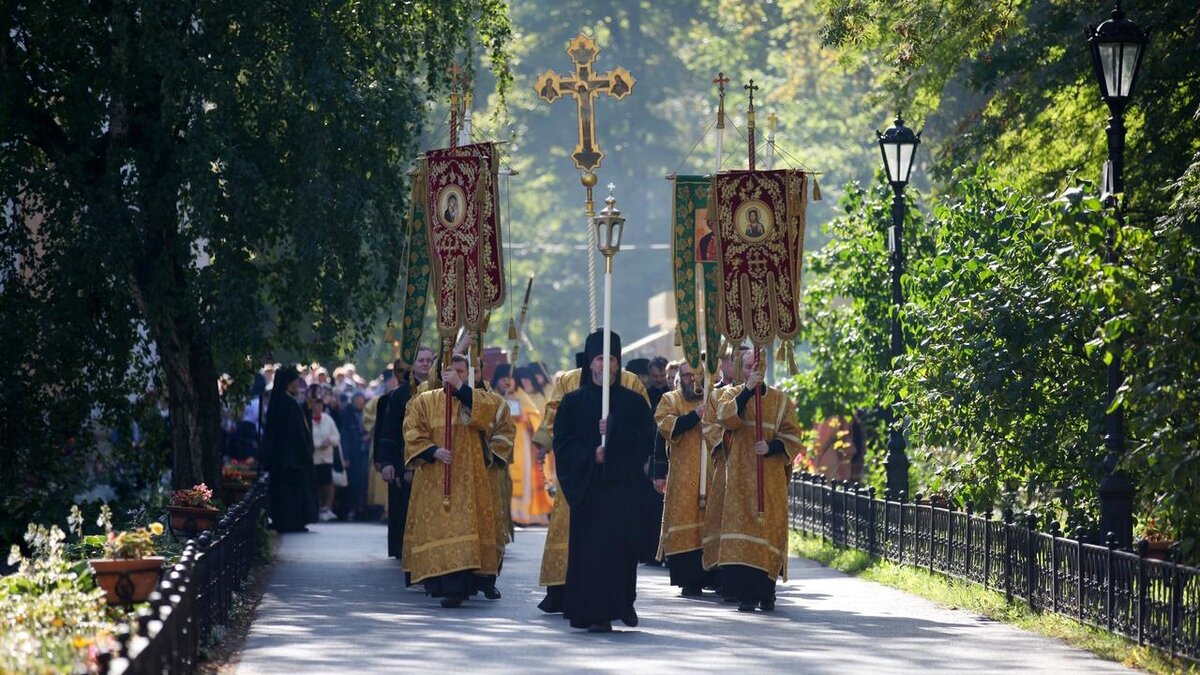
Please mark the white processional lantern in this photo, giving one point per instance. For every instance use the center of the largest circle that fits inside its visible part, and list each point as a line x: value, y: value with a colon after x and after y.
x: 898, y: 145
x: 610, y: 225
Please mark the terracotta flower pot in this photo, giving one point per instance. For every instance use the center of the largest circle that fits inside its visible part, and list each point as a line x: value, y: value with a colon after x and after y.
x: 233, y: 491
x: 1159, y: 550
x: 127, y: 581
x: 192, y: 520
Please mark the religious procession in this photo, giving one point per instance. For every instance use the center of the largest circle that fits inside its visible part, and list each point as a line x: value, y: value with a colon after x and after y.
x: 395, y: 337
x: 684, y: 464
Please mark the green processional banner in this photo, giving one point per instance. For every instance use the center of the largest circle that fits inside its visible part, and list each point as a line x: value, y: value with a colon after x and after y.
x: 417, y: 273
x: 694, y: 249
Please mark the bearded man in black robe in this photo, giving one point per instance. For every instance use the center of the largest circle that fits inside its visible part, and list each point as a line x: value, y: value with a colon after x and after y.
x: 601, y: 484
x: 288, y: 453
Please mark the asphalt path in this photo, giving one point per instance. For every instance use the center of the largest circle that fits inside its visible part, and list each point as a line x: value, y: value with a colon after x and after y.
x: 336, y: 604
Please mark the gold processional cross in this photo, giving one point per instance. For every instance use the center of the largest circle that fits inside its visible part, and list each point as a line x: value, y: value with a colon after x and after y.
x: 585, y: 86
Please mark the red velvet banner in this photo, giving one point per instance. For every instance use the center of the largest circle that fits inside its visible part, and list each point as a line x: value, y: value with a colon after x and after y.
x: 464, y: 236
x: 759, y: 221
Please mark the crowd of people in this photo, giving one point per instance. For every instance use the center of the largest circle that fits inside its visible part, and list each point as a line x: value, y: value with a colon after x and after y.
x: 683, y: 472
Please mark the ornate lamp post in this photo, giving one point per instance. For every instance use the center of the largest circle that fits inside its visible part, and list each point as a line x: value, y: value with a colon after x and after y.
x: 1117, y: 46
x: 609, y: 226
x: 898, y: 145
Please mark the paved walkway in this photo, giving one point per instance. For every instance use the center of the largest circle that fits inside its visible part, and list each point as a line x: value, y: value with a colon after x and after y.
x: 336, y: 604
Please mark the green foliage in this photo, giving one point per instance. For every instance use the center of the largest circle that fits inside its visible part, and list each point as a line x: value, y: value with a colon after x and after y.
x: 1164, y: 371
x: 847, y: 315
x: 1012, y: 82
x: 1003, y: 395
x: 187, y: 185
x: 50, y: 608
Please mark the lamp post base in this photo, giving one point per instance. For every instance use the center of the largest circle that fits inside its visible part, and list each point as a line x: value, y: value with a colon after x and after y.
x: 1116, y: 508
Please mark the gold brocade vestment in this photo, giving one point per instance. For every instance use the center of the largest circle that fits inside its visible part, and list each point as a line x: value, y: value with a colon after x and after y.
x: 743, y: 539
x: 683, y: 519
x: 436, y: 541
x: 531, y: 503
x: 554, y: 556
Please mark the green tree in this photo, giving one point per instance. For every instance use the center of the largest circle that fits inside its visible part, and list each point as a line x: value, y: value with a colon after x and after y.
x: 205, y: 183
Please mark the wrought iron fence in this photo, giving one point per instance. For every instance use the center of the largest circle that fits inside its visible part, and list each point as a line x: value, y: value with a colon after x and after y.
x: 1155, y: 602
x: 194, y: 595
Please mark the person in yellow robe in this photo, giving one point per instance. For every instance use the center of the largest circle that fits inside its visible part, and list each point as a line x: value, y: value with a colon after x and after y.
x: 752, y: 548
x: 554, y: 555
x: 448, y: 544
x: 715, y: 501
x: 687, y: 425
x: 530, y: 503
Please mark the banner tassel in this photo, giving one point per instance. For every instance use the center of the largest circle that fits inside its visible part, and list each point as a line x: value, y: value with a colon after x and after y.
x: 390, y: 334
x: 678, y: 335
x: 816, y: 190
x: 512, y: 329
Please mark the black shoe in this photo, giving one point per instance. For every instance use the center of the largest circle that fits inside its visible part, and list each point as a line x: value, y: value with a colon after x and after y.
x: 630, y: 619
x: 747, y: 606
x: 692, y: 592
x: 452, y: 601
x: 604, y: 627
x: 549, y: 606
x: 491, y: 593
x: 767, y: 605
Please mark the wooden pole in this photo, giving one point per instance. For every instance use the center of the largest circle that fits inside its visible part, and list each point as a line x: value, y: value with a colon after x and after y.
x: 758, y: 434
x: 447, y: 362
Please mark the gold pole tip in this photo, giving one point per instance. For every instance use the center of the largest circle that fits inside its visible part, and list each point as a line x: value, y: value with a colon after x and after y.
x: 588, y: 179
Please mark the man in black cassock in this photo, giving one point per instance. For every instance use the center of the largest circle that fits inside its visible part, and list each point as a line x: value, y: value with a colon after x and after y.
x: 288, y: 455
x: 389, y: 455
x: 601, y: 484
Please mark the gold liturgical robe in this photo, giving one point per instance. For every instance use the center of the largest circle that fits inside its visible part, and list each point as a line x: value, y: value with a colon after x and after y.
x: 554, y: 556
x: 530, y: 502
x: 436, y: 541
x: 683, y: 519
x: 744, y: 540
x: 715, y: 508
x: 501, y: 445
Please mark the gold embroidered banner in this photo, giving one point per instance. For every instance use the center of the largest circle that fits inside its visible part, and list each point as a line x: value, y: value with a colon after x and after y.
x: 464, y: 236
x: 693, y: 242
x: 759, y: 220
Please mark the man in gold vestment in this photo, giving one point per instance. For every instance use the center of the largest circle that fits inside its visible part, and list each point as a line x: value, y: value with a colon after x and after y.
x: 530, y: 503
x: 686, y: 424
x: 554, y: 555
x: 752, y: 547
x: 447, y: 544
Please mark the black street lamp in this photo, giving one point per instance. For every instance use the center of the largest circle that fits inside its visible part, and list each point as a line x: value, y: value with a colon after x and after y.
x: 1117, y: 46
x: 898, y: 145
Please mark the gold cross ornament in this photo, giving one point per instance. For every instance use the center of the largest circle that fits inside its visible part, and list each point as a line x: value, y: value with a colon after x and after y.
x: 585, y: 86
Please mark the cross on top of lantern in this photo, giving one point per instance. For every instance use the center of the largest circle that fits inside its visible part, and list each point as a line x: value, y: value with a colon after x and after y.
x: 898, y: 144
x: 610, y: 225
x: 1117, y: 46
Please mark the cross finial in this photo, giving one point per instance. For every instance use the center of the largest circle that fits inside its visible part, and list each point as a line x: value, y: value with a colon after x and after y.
x: 720, y: 80
x: 751, y: 87
x: 611, y: 187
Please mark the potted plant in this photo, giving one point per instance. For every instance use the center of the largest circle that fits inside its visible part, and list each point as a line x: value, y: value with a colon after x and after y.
x: 129, y: 570
x: 1158, y: 542
x: 192, y: 510
x: 236, y: 480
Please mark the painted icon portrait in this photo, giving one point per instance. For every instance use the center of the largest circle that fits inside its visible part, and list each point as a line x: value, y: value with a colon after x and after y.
x: 755, y: 221
x: 452, y: 206
x: 706, y: 241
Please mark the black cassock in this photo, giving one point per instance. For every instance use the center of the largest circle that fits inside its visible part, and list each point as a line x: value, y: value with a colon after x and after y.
x: 604, y: 499
x: 287, y: 450
x: 389, y: 449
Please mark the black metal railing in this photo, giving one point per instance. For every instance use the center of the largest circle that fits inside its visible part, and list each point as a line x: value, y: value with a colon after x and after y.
x: 1156, y: 602
x: 194, y: 595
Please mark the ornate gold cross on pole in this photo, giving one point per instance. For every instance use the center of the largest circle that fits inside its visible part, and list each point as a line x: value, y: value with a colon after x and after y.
x: 750, y: 121
x: 585, y: 86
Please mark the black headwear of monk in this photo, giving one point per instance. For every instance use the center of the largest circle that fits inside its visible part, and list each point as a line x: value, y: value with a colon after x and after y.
x: 595, y: 347
x: 281, y: 412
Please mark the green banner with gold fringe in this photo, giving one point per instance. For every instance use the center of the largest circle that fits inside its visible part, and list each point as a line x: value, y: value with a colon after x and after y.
x: 418, y: 272
x: 690, y: 200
